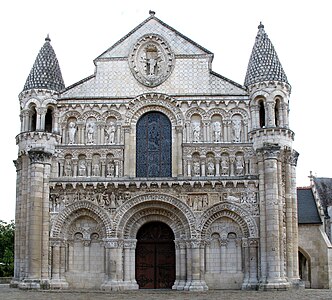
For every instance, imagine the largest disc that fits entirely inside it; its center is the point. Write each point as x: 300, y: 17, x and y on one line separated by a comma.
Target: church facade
x: 156, y: 172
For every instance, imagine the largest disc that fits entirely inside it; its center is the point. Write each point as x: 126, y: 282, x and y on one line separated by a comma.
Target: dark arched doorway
x: 304, y: 269
x: 154, y: 146
x: 155, y: 256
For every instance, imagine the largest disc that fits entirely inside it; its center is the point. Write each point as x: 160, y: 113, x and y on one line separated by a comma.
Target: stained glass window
x: 153, y: 146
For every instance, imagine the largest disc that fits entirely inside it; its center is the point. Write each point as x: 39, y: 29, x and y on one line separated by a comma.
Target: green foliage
x: 7, y: 248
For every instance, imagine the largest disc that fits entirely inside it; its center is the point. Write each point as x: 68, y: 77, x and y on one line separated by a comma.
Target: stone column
x: 177, y: 265
x: 182, y: 265
x: 129, y: 269
x: 253, y: 245
x: 245, y: 249
x: 75, y: 162
x: 217, y: 166
x: 86, y: 254
x: 239, y: 255
x: 188, y: 132
x: 116, y: 162
x: 118, y: 134
x: 119, y: 266
x: 45, y: 223
x: 223, y: 245
x: 292, y: 163
x: 127, y: 153
x: 231, y: 164
x: 262, y: 203
x: 188, y: 266
x: 270, y: 113
x: 179, y: 132
x: 40, y: 125
x: 58, y: 259
x: 35, y: 202
x: 56, y: 122
x: 25, y: 120
x: 202, y: 264
x: 111, y: 283
x: 254, y: 116
x: 19, y: 224
x: 80, y: 139
x: 196, y: 283
x: 203, y: 166
x: 189, y: 162
x: 274, y: 279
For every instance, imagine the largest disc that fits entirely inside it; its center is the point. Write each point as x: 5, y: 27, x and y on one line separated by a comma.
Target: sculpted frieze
x: 106, y: 199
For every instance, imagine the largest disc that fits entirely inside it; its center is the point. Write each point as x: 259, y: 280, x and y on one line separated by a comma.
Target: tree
x: 7, y: 248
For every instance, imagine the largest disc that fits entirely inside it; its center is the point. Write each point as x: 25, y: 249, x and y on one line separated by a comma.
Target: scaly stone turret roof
x: 264, y: 64
x: 45, y: 73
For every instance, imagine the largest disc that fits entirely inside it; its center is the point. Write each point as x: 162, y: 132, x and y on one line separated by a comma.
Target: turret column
x: 39, y: 176
x: 272, y: 220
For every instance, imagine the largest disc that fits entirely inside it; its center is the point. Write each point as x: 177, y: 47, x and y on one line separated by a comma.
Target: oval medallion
x: 151, y: 60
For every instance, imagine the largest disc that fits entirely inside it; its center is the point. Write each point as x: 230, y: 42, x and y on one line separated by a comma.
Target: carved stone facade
x: 155, y: 136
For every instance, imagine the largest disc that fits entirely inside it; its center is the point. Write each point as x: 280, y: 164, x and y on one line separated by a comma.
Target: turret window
x: 33, y: 119
x: 277, y: 113
x: 49, y: 120
x: 261, y: 114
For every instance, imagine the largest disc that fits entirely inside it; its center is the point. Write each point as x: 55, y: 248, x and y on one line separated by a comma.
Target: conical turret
x: 264, y: 64
x: 45, y: 73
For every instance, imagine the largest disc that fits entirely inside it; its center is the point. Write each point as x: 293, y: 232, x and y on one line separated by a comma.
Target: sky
x: 81, y: 30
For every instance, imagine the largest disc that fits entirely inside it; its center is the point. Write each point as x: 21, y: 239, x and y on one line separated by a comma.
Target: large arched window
x: 153, y: 146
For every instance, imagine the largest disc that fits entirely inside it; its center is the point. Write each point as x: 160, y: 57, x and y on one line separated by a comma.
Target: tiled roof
x: 324, y: 189
x: 264, y: 64
x: 45, y: 73
x: 307, y: 208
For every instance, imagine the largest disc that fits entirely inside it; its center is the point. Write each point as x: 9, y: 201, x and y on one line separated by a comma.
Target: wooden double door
x: 155, y: 256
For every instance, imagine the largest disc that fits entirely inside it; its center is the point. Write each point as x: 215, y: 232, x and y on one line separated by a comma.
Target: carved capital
x: 111, y: 243
x: 39, y: 156
x: 41, y: 110
x: 179, y: 128
x: 270, y: 151
x: 292, y: 158
x: 18, y: 163
x: 129, y: 244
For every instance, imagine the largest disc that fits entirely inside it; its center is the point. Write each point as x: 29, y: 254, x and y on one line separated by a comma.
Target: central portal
x: 155, y: 256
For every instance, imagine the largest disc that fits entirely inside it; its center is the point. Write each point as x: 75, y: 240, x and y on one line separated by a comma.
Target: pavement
x: 7, y: 293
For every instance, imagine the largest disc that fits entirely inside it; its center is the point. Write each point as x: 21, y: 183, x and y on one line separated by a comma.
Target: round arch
x: 154, y: 207
x: 196, y: 110
x: 76, y: 210
x: 232, y: 211
x: 153, y: 102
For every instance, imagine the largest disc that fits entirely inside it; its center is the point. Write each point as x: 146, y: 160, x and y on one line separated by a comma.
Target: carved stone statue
x: 197, y: 168
x: 110, y: 169
x: 196, y: 132
x: 68, y: 168
x: 96, y: 169
x: 110, y: 133
x: 151, y: 60
x: 90, y: 132
x: 71, y: 132
x: 224, y: 166
x: 237, y: 128
x: 239, y: 165
x: 82, y: 168
x: 210, y: 167
x: 217, y: 131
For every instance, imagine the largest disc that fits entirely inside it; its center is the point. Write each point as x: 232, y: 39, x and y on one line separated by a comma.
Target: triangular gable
x: 180, y: 44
